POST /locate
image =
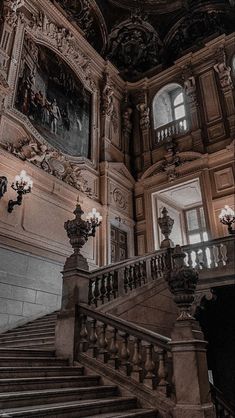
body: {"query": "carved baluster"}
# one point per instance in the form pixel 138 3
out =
pixel 90 293
pixel 125 353
pixel 136 361
pixel 126 279
pixel 212 257
pixel 220 256
pixel 223 250
pixel 190 261
pixel 131 277
pixel 204 261
pixel 102 342
pixel 83 334
pixel 103 288
pixel 134 275
pixel 115 284
pixel 149 365
pixel 96 291
pixel 153 268
pixel 197 260
pixel 93 337
pixel 139 275
pixel 144 271
pixel 162 384
pixel 109 288
pixel 216 255
pixel 113 348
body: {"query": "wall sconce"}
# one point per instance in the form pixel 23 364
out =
pixel 22 184
pixel 227 217
pixel 3 185
pixel 94 220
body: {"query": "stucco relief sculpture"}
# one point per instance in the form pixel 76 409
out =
pixel 54 100
pixel 10 9
pixel 223 70
pixel 189 84
pixel 144 116
pixel 107 106
pixel 50 160
pixel 40 26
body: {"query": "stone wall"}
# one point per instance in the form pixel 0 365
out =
pixel 30 286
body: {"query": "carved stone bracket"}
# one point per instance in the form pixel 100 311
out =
pixel 107 96
pixel 50 160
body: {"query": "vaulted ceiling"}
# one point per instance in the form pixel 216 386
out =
pixel 144 36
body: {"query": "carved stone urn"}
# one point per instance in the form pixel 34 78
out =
pixel 166 224
pixel 182 282
pixel 78 233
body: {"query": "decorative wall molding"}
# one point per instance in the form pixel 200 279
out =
pixel 47 32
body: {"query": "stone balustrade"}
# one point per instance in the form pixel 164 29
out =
pixel 129 349
pixel 121 278
pixel 174 128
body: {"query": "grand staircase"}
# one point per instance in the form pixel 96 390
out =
pixel 34 383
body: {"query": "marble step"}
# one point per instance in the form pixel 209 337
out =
pixel 24 352
pixel 27 342
pixel 49 371
pixel 26 334
pixel 31 361
pixel 41 383
pixel 79 409
pixel 47 396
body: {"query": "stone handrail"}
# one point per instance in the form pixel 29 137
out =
pixel 174 128
pixel 223 408
pixel 120 278
pixel 131 350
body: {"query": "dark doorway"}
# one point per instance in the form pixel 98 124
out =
pixel 217 319
pixel 118 244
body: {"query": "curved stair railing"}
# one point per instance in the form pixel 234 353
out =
pixel 209 258
pixel 224 409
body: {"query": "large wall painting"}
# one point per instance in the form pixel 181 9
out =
pixel 54 100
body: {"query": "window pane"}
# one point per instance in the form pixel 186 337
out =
pixel 202 216
pixel 179 112
pixel 194 238
pixel 192 219
pixel 179 99
pixel 205 236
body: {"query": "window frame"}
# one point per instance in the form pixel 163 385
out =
pixel 201 229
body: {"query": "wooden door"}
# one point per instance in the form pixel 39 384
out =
pixel 118 244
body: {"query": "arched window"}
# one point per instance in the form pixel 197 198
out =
pixel 169 113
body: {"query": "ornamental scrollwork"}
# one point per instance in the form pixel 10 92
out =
pixel 50 160
pixel 41 27
pixel 119 198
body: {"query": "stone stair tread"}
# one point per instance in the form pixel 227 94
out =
pixel 44 379
pixel 82 404
pixel 26 334
pixel 28 393
pixel 131 413
pixel 26 351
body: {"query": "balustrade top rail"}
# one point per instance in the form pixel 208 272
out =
pixel 189 247
pixel 124 263
pixel 127 327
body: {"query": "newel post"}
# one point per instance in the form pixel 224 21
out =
pixel 75 282
pixel 188 346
